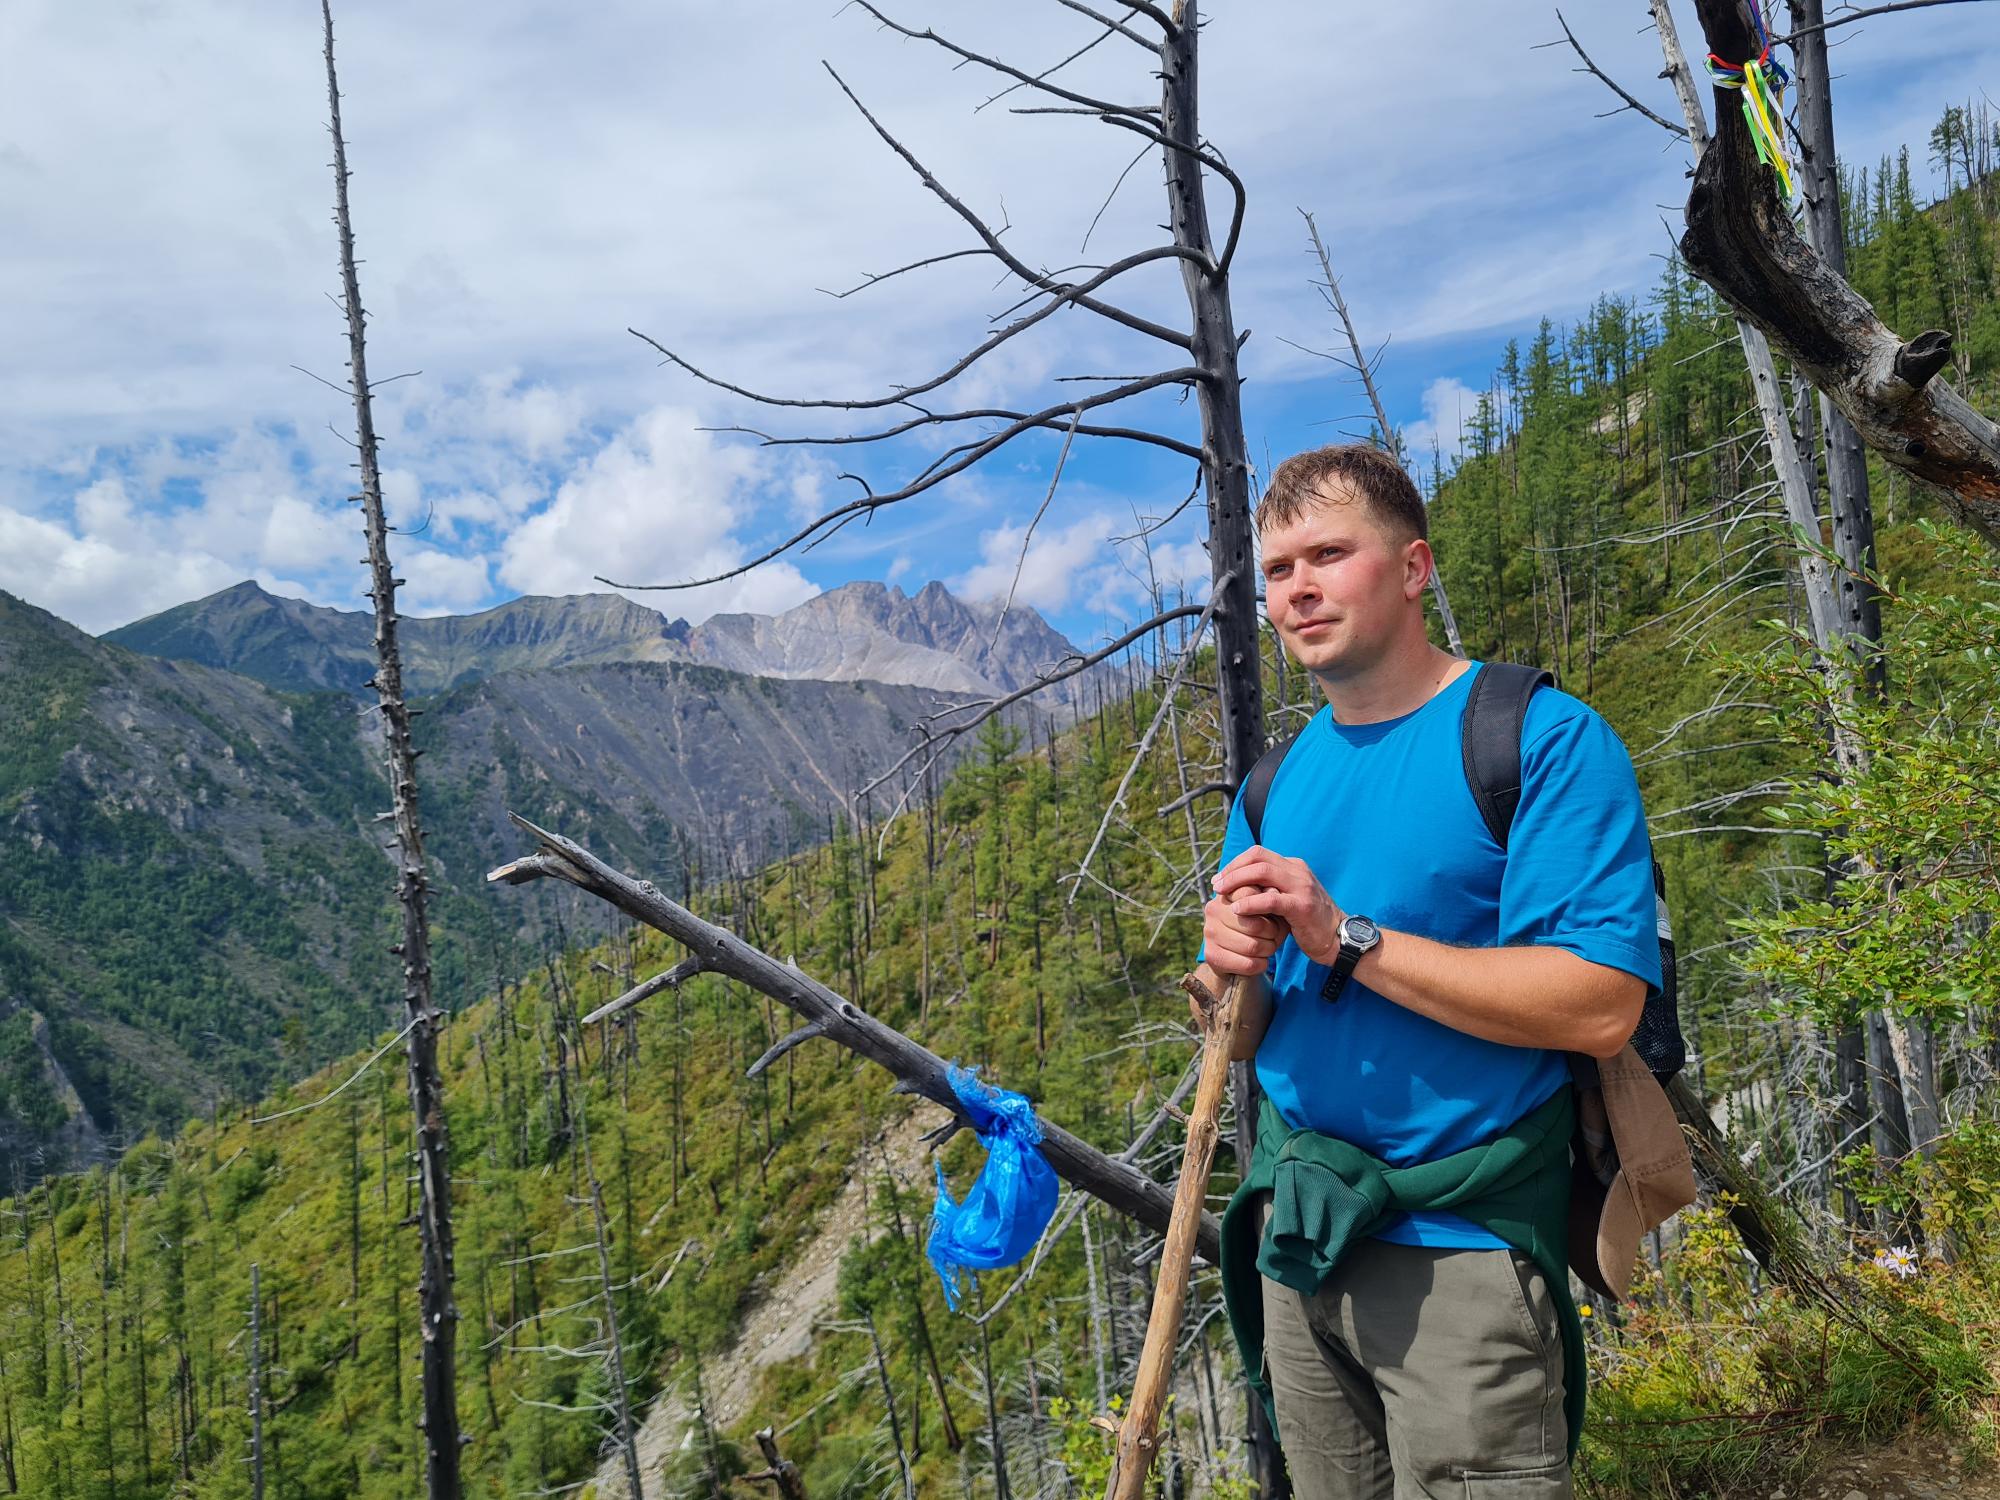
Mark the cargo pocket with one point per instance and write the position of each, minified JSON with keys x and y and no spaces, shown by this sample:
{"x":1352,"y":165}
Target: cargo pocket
{"x":1550,"y":1482}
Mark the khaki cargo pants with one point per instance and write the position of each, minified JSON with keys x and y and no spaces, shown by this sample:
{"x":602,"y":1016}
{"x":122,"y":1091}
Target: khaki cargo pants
{"x":1420,"y":1372}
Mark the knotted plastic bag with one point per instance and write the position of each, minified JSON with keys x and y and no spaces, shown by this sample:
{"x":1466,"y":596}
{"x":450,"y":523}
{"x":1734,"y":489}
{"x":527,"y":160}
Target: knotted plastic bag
{"x":1009,"y":1204}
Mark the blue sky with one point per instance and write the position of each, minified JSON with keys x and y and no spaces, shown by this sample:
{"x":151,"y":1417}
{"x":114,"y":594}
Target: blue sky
{"x":530,"y":181}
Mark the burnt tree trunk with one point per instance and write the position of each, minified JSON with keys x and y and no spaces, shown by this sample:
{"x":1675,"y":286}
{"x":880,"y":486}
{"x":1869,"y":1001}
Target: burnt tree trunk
{"x":1225,"y":463}
{"x":256,"y":1392}
{"x":439,"y":1316}
{"x":1828,"y":610}
{"x":1740,"y":240}
{"x":1858,"y":609}
{"x":1846,"y":460}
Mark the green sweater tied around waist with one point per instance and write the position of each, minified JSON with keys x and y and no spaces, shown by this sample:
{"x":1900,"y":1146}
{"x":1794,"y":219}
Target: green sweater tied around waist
{"x":1326,"y":1195}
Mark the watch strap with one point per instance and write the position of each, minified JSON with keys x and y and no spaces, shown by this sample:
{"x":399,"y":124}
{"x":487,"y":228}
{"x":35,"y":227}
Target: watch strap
{"x":1343,"y":969}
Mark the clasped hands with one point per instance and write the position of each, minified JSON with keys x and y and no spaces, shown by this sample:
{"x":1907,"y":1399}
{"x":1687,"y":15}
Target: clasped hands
{"x":1261,"y":898}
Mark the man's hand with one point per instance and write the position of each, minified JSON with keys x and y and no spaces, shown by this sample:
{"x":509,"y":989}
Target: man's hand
{"x":1235,"y":942}
{"x":1259,"y":893}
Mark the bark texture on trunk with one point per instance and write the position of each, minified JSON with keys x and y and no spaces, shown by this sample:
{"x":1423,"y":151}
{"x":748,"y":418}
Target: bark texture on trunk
{"x":1740,"y":240}
{"x":1225,"y":462}
{"x":1846,"y":460}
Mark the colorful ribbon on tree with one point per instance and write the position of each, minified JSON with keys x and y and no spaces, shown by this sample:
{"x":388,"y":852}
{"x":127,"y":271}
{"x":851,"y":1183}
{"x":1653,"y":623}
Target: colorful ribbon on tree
{"x":1762,"y":82}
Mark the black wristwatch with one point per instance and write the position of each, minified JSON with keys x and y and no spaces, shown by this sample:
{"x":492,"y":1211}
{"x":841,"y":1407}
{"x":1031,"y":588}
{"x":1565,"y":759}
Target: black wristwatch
{"x":1357,"y":936}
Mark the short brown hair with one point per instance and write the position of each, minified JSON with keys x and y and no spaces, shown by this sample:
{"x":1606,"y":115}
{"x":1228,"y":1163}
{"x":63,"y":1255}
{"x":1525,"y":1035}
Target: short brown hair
{"x":1308,"y":479}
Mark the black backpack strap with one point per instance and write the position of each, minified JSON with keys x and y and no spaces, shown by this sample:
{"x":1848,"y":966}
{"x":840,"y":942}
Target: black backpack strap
{"x":1491,"y":740}
{"x":1257,"y":785}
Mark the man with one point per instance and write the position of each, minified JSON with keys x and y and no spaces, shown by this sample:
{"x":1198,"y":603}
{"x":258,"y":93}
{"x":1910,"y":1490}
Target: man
{"x":1426,"y":1350}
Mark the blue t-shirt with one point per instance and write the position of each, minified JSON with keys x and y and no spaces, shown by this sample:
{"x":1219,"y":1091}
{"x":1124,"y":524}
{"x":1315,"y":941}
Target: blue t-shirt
{"x":1383,"y":815}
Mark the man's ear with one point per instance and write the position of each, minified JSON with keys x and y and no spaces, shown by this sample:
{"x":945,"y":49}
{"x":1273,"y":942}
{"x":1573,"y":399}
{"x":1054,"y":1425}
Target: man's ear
{"x":1418,"y":565}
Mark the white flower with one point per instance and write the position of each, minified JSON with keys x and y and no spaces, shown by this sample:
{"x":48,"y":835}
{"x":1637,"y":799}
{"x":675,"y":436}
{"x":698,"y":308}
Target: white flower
{"x":1899,"y":1260}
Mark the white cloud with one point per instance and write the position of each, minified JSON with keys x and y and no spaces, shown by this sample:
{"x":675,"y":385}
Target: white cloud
{"x":1449,"y":407}
{"x":95,"y":583}
{"x":440,"y":584}
{"x":659,"y":503}
{"x":103,"y":506}
{"x":528,"y":185}
{"x":1059,"y":559}
{"x":180,"y":526}
{"x":302,"y":538}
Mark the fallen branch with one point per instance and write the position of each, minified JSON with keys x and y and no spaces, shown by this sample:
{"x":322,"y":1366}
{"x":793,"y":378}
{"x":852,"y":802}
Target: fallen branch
{"x":916,"y":1068}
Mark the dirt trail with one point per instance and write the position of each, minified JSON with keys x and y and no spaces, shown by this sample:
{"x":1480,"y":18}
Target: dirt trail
{"x":1917,"y":1466}
{"x":781,"y":1323}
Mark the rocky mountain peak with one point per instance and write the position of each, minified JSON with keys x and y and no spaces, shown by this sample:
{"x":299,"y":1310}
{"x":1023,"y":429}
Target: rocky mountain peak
{"x":860,"y":631}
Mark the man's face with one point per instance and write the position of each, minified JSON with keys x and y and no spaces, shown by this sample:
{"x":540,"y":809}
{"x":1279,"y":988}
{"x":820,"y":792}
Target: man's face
{"x":1338,"y":586}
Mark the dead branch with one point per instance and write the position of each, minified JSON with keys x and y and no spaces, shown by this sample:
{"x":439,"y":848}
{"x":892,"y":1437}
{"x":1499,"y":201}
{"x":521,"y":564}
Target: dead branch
{"x":1611,"y":83}
{"x":1062,"y":295}
{"x":1860,"y":13}
{"x":1146,"y":740}
{"x":1036,"y":81}
{"x":1006,"y":257}
{"x":976,"y":414}
{"x":645,"y":989}
{"x":961,"y":458}
{"x":916,"y":1068}
{"x":1740,"y":240}
{"x":1364,"y":372}
{"x":778,"y":1470}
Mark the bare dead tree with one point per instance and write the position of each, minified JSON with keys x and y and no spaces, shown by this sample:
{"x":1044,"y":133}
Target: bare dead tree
{"x":1364,"y":371}
{"x":1202,"y":359}
{"x":256,"y":1392}
{"x":889,"y":1401}
{"x":1889,"y":1056}
{"x":624,"y":1433}
{"x":1899,"y":1070}
{"x":1901,"y":1052}
{"x":439,"y":1316}
{"x":778,"y":1470}
{"x":1846,"y":461}
{"x":1741,"y":241}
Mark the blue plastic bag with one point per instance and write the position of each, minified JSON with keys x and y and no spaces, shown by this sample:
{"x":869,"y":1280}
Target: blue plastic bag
{"x":1010,"y":1202}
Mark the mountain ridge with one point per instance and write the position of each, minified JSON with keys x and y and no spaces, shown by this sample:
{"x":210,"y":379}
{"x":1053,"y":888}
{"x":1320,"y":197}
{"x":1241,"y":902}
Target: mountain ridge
{"x":862,"y":630}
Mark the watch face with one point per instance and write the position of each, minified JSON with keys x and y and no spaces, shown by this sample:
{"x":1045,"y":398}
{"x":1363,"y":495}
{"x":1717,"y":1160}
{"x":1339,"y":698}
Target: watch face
{"x":1359,"y":932}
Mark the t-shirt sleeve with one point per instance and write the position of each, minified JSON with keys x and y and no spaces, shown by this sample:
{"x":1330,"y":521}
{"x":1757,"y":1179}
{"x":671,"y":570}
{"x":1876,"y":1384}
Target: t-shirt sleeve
{"x":1579,"y":870}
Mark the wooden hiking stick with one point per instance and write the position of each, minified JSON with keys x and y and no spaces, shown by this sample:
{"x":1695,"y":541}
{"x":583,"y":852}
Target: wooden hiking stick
{"x":1138,"y":1436}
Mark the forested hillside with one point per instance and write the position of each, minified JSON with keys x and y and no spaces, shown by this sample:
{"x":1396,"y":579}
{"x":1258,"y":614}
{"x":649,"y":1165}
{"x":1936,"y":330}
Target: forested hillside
{"x":1614,"y":522}
{"x":195,"y":907}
